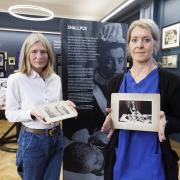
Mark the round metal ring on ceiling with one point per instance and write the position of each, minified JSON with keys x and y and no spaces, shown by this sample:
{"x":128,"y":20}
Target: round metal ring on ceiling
{"x":12,"y":9}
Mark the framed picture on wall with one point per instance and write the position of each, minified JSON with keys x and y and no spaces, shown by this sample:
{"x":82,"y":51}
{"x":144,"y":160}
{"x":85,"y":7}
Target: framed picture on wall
{"x":12,"y":61}
{"x":3,"y":87}
{"x":1,"y":59}
{"x":2,"y":65}
{"x":170,"y":36}
{"x":170,"y":61}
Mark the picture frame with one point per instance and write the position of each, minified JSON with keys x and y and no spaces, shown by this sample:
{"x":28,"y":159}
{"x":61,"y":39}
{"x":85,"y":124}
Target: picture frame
{"x":170,"y":36}
{"x":3,"y":87}
{"x":56,"y":111}
{"x":135,"y":111}
{"x":2,"y":61}
{"x":12,"y":61}
{"x":170,"y":61}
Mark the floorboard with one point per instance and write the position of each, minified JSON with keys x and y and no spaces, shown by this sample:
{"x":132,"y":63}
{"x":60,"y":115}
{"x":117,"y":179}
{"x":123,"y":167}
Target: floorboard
{"x":7,"y":159}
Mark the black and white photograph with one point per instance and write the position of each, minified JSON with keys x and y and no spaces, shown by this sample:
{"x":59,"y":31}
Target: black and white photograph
{"x":1,"y":59}
{"x":3,"y":86}
{"x":56,"y":111}
{"x":12,"y":60}
{"x":135,"y":111}
{"x":2,"y":65}
{"x":62,"y":110}
{"x":170,"y":61}
{"x":170,"y":36}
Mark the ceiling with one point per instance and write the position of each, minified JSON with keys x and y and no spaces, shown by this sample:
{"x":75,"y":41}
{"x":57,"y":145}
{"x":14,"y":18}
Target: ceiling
{"x":72,"y":9}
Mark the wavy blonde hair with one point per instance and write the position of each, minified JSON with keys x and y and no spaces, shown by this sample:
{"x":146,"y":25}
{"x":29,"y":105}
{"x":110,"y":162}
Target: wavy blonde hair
{"x":25,"y":66}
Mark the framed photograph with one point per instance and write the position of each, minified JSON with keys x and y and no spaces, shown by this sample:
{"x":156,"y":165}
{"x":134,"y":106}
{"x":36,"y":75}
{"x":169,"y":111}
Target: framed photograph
{"x":56,"y":111}
{"x":170,"y":61}
{"x":170,"y":36}
{"x":12,"y":61}
{"x":4,"y":54}
{"x":135,"y":111}
{"x":2,"y":75}
{"x":3,"y":87}
{"x":2,"y":59}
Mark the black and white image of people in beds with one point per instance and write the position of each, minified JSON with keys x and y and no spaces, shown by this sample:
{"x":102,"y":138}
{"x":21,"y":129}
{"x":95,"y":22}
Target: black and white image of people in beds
{"x":135,"y":111}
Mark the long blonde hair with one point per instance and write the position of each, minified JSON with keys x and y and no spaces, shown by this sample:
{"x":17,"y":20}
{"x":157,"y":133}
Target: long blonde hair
{"x":25,"y":66}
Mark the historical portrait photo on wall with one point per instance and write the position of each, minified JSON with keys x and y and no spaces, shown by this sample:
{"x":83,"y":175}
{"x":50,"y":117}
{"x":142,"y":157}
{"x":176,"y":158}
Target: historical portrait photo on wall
{"x":170,"y":61}
{"x":170,"y":36}
{"x":1,"y":59}
{"x":3,"y":87}
{"x":2,"y":64}
{"x":110,"y":60}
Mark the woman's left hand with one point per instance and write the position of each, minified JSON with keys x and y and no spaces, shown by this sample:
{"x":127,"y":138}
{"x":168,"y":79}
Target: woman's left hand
{"x":162,"y":125}
{"x":72,"y":105}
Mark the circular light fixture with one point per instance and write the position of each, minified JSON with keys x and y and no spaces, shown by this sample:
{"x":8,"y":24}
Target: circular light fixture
{"x":31,"y":7}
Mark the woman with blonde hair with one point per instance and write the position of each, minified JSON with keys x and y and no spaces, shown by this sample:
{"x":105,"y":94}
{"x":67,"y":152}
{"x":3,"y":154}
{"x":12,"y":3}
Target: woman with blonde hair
{"x":140,"y":155}
{"x":40,"y":145}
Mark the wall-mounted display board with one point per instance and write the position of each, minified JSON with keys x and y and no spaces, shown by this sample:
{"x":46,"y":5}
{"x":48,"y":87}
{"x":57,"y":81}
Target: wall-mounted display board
{"x":2,"y":64}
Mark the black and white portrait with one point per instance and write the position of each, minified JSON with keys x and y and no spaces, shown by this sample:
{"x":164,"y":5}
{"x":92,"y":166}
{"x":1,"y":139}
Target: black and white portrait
{"x":3,"y":87}
{"x":110,"y":60}
{"x":170,"y":36}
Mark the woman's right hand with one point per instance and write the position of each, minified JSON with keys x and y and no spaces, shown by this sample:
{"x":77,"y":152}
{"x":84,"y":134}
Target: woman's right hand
{"x":107,"y":126}
{"x":37,"y":115}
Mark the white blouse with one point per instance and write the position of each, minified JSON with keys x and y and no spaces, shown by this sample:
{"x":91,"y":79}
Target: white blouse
{"x":24,"y":93}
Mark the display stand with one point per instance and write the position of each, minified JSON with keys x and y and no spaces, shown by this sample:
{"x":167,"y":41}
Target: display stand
{"x":7,"y":139}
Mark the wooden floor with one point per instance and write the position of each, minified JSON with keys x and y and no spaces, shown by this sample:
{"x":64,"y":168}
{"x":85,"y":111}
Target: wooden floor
{"x":7,"y":159}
